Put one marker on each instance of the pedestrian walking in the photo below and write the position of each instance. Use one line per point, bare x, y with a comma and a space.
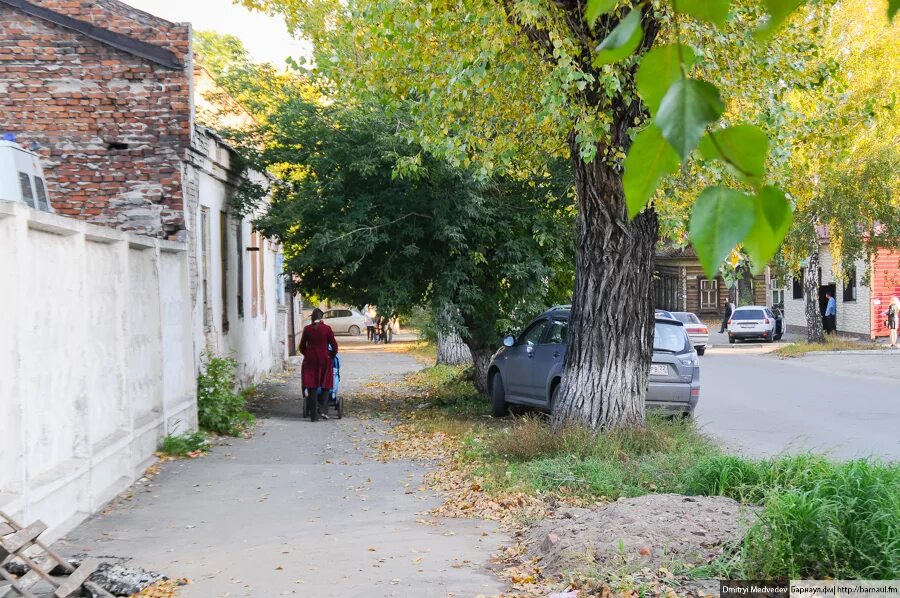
729, 309
370, 325
318, 347
830, 323
893, 320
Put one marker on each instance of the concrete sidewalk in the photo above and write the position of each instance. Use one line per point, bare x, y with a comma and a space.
299, 509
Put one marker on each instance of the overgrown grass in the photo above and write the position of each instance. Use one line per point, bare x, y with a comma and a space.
221, 408
819, 518
184, 444
832, 343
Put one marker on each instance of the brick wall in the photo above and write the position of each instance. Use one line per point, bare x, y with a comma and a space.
113, 127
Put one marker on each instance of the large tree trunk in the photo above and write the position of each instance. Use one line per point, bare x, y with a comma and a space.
611, 331
481, 359
452, 350
814, 331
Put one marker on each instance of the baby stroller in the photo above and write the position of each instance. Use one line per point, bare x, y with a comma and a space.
334, 398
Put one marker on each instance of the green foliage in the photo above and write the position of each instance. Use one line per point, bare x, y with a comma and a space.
714, 11
660, 68
622, 41
743, 148
721, 218
595, 8
183, 444
220, 407
684, 112
772, 222
650, 159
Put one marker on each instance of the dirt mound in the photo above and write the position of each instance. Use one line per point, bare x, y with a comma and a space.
648, 531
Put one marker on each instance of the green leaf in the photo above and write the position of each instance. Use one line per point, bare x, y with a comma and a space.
621, 41
713, 11
742, 147
893, 7
684, 112
649, 160
779, 11
774, 214
720, 220
595, 8
661, 67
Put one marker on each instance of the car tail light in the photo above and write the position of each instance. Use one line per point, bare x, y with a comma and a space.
729, 322
767, 320
704, 331
695, 392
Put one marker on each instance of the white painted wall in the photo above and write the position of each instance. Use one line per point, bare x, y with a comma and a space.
852, 316
257, 341
96, 361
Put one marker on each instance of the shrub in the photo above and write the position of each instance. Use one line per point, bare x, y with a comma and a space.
183, 444
221, 409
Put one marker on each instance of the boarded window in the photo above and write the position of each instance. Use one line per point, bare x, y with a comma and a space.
709, 295
254, 274
239, 237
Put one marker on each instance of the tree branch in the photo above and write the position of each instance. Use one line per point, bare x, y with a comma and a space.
376, 227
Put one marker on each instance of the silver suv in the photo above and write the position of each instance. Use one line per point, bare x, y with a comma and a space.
527, 370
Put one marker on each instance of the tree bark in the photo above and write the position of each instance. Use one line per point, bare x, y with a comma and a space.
481, 359
814, 331
611, 328
452, 350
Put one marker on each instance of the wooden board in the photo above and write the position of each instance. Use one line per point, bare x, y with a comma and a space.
74, 582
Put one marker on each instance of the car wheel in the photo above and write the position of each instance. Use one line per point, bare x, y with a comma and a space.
498, 398
731, 339
554, 395
354, 330
701, 350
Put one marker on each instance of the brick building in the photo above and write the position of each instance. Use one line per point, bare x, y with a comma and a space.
103, 91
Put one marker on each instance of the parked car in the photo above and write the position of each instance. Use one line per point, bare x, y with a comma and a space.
752, 321
21, 176
697, 330
345, 321
662, 313
527, 370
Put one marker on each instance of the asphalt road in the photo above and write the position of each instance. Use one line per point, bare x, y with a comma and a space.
846, 405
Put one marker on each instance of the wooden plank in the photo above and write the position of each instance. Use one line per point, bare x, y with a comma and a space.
13, 587
6, 529
21, 586
97, 590
22, 538
74, 582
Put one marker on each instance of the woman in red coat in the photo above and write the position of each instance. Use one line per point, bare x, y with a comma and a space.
318, 347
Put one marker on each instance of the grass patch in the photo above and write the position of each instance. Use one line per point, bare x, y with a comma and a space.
832, 343
423, 351
818, 519
182, 445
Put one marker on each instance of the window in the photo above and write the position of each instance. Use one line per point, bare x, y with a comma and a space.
670, 338
777, 296
42, 202
240, 268
331, 313
850, 286
558, 331
254, 273
709, 295
27, 195
204, 258
532, 335
798, 284
223, 248
748, 314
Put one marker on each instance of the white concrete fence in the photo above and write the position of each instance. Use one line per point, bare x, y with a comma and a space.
96, 361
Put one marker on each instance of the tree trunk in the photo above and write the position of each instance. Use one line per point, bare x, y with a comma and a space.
481, 359
814, 331
611, 331
452, 350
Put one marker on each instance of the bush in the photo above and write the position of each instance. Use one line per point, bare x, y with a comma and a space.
183, 444
221, 409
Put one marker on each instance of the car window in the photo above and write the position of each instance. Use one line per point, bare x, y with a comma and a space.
748, 314
43, 204
330, 314
345, 313
670, 338
533, 333
25, 183
557, 333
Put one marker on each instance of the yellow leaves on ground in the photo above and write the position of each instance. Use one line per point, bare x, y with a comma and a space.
163, 589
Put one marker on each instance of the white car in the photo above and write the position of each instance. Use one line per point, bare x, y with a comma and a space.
697, 330
345, 321
21, 176
751, 321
